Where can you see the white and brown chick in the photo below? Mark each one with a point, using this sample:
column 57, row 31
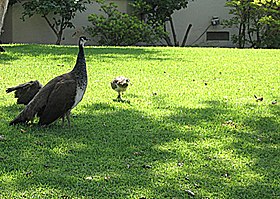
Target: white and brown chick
column 120, row 84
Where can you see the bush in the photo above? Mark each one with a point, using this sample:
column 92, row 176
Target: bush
column 121, row 29
column 159, row 13
column 270, row 22
column 258, row 22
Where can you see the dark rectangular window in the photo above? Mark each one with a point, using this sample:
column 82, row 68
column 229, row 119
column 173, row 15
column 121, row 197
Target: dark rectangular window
column 217, row 36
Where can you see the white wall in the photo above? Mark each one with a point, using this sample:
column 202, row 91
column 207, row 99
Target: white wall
column 199, row 13
column 36, row 29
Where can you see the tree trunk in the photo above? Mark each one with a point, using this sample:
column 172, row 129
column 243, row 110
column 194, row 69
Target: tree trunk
column 176, row 43
column 242, row 34
column 186, row 35
column 58, row 40
column 56, row 32
column 3, row 10
column 167, row 38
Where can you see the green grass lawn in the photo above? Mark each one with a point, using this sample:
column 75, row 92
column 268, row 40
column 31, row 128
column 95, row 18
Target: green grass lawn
column 192, row 129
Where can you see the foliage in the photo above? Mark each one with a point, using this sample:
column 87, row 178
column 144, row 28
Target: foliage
column 58, row 14
column 257, row 22
column 158, row 13
column 270, row 21
column 118, row 28
column 12, row 2
column 192, row 124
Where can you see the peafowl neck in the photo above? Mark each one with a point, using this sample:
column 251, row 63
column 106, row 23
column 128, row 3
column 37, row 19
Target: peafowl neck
column 80, row 67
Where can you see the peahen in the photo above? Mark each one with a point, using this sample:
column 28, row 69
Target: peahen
column 59, row 96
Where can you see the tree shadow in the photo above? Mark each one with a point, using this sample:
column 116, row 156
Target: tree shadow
column 246, row 135
column 8, row 110
column 120, row 152
column 5, row 57
column 107, row 145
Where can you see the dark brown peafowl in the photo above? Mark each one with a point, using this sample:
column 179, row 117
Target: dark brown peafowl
column 59, row 96
column 120, row 84
column 25, row 92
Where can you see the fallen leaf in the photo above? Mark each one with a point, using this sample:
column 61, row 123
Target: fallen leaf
column 46, row 165
column 180, row 164
column 196, row 185
column 190, row 193
column 137, row 153
column 28, row 173
column 107, row 178
column 23, row 131
column 2, row 137
column 258, row 98
column 89, row 178
column 230, row 123
column 146, row 166
column 226, row 175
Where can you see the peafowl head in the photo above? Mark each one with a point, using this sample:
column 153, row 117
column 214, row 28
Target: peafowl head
column 83, row 40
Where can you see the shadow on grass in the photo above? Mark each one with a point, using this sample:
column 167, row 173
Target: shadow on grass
column 111, row 148
column 249, row 137
column 124, row 153
column 4, row 57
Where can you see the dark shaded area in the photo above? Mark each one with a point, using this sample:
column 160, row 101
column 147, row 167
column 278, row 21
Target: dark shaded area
column 256, row 137
column 109, row 147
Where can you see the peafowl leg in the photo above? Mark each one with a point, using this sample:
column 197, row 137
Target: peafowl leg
column 68, row 118
column 62, row 120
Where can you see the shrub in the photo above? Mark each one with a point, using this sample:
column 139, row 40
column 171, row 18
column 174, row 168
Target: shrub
column 159, row 13
column 120, row 28
column 270, row 22
column 258, row 22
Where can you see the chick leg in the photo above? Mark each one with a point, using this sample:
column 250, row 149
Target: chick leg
column 119, row 96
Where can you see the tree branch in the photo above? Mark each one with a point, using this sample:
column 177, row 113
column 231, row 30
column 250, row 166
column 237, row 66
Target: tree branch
column 51, row 25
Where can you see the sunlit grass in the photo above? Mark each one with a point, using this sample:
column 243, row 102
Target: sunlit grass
column 192, row 125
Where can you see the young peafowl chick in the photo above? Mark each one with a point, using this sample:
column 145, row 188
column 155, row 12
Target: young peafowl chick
column 25, row 92
column 120, row 84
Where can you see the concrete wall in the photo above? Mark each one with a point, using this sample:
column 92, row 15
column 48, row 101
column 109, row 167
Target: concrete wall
column 36, row 29
column 199, row 14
